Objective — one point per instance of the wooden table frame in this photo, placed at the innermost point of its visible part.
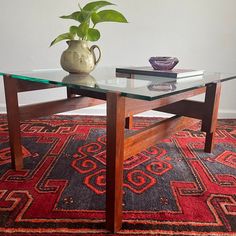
(120, 110)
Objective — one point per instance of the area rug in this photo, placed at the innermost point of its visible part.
(172, 188)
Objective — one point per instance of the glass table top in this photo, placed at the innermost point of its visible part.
(104, 80)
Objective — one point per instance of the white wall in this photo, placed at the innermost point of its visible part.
(202, 34)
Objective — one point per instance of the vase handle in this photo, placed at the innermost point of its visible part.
(94, 56)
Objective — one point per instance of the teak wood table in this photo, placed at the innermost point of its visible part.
(124, 97)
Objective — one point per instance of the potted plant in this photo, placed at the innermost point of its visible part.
(78, 57)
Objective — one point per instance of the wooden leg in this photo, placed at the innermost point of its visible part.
(209, 121)
(13, 117)
(115, 159)
(70, 93)
(129, 122)
(209, 142)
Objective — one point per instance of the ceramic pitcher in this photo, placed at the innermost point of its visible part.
(78, 58)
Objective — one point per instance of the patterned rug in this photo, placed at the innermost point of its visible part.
(172, 188)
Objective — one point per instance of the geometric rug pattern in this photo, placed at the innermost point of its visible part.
(171, 188)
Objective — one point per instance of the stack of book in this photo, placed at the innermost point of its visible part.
(174, 73)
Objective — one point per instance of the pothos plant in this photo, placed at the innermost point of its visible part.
(87, 19)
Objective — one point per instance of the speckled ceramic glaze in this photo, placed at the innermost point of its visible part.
(78, 58)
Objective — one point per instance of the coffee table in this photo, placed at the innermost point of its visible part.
(125, 96)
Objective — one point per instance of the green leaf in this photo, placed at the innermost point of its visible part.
(95, 18)
(108, 16)
(83, 30)
(61, 37)
(74, 16)
(94, 6)
(73, 30)
(93, 34)
(85, 15)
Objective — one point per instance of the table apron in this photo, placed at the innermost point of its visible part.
(135, 106)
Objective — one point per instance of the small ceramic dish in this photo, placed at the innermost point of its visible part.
(163, 63)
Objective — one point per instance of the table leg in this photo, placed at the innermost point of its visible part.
(129, 122)
(70, 93)
(209, 121)
(13, 118)
(114, 160)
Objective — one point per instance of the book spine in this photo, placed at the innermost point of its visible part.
(150, 73)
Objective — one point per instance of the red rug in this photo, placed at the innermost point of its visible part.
(172, 188)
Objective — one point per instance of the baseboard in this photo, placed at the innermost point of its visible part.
(101, 110)
(227, 114)
(2, 108)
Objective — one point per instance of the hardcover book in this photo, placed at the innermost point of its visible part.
(174, 73)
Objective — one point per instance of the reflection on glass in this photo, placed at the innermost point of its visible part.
(162, 87)
(80, 79)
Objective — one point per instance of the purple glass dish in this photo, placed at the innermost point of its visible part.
(163, 63)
